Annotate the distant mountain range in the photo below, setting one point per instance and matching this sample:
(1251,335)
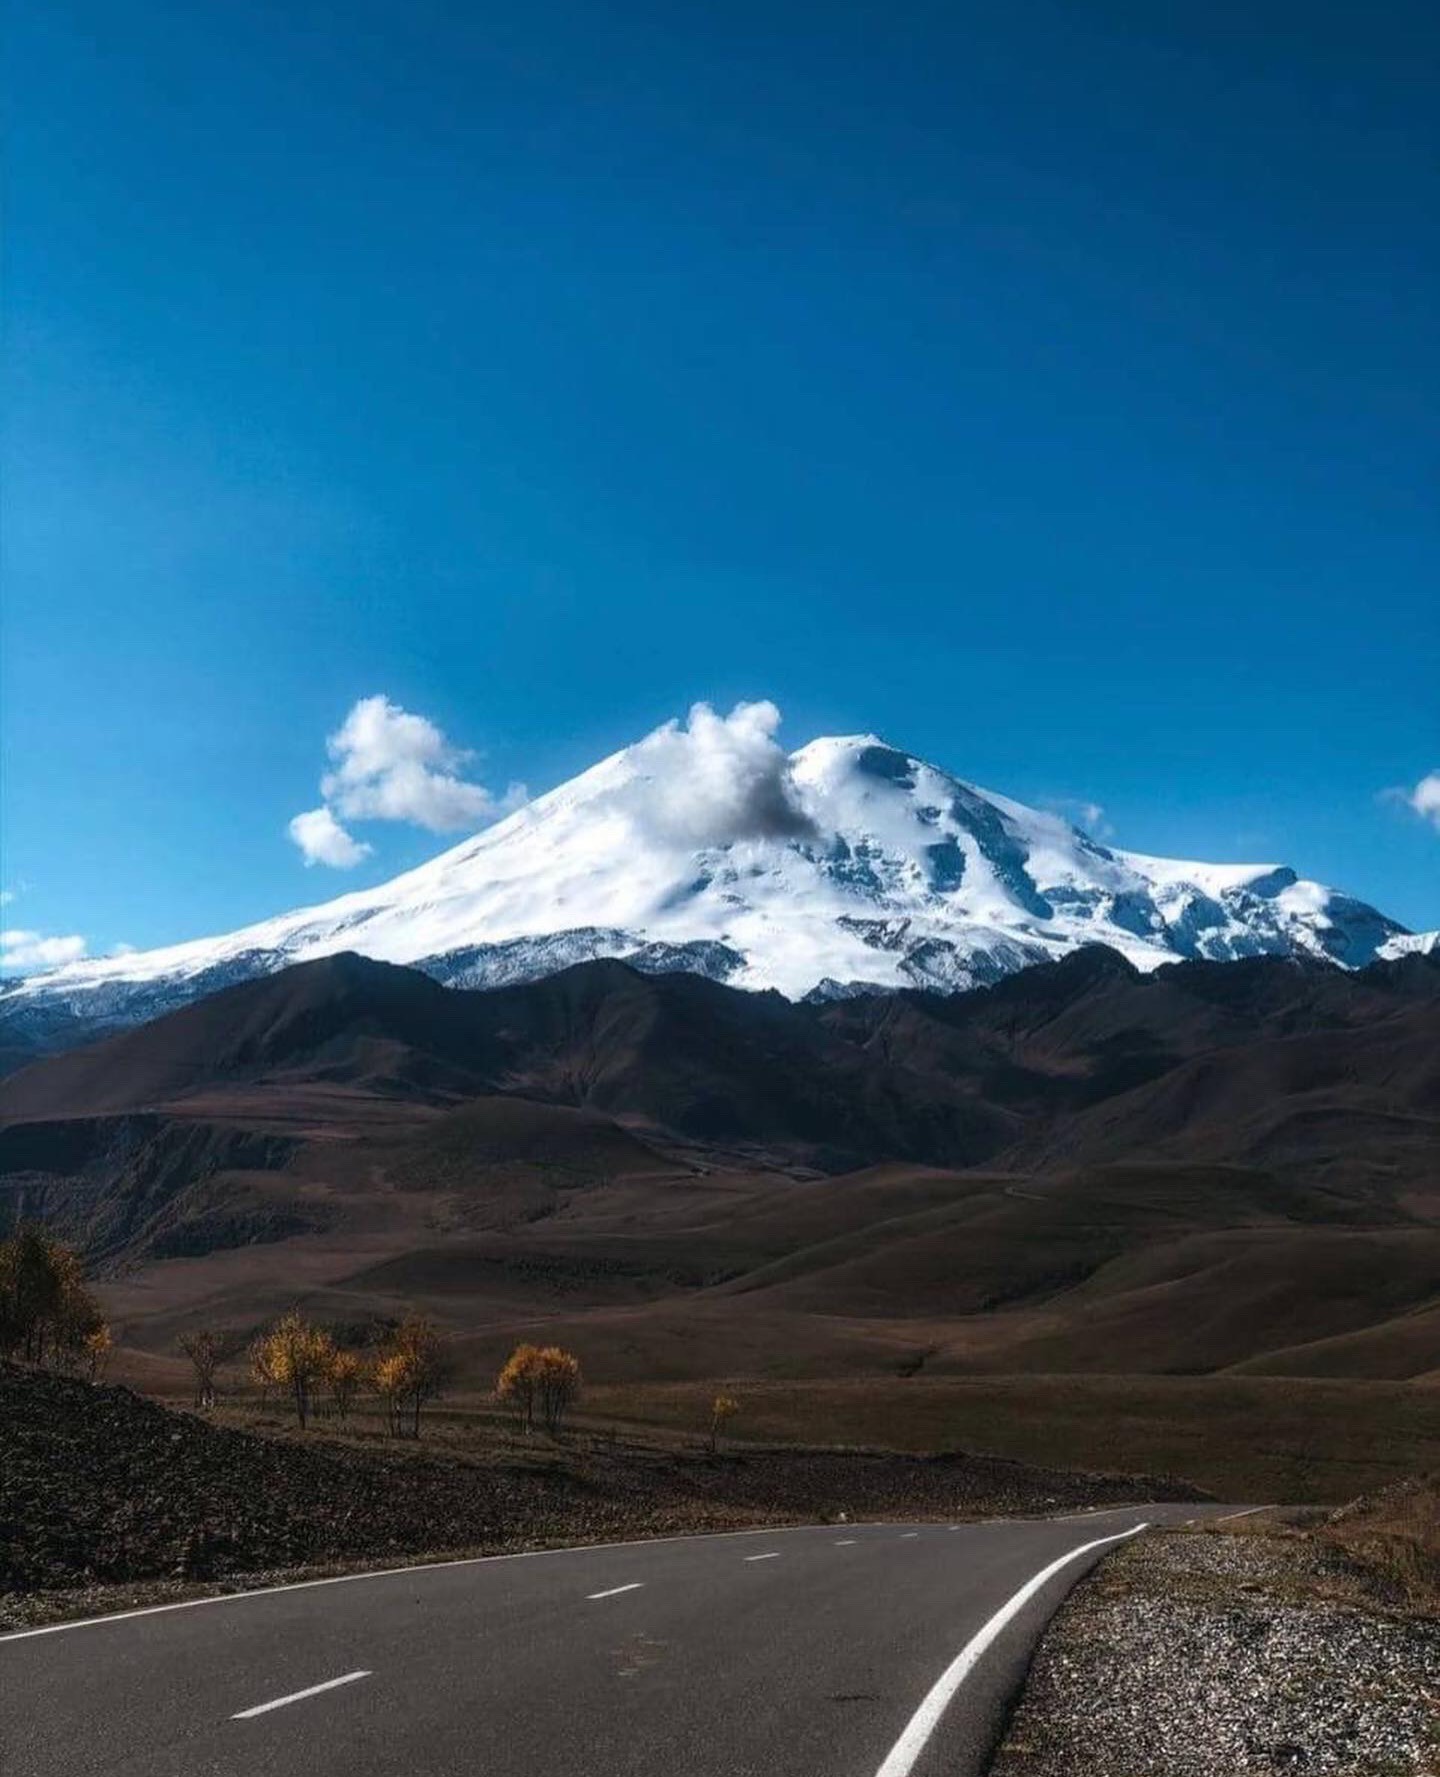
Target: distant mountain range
(845,867)
(1083,1167)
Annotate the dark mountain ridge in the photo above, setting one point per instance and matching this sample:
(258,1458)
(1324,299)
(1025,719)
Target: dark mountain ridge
(952,1080)
(1081,1166)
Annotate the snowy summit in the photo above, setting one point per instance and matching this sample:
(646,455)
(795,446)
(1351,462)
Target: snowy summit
(847,864)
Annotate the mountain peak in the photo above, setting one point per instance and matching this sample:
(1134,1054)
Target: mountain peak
(848,864)
(840,747)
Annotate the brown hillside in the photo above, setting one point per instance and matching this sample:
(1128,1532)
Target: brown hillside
(1079,1170)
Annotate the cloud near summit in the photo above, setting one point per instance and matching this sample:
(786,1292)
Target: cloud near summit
(388,764)
(717,780)
(35,952)
(1425,798)
(1422,799)
(323,840)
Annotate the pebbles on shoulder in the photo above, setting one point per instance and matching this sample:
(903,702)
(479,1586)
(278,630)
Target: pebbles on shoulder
(1226,1655)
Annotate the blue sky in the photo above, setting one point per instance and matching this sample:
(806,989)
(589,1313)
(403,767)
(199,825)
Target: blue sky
(1050,388)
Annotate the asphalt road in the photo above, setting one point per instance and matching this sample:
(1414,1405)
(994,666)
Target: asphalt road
(874,1650)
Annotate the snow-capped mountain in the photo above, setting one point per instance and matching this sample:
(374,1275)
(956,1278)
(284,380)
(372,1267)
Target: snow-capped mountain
(1410,944)
(848,863)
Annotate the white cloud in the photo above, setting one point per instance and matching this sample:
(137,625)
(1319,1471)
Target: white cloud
(34,952)
(392,765)
(323,840)
(718,780)
(1090,817)
(1425,798)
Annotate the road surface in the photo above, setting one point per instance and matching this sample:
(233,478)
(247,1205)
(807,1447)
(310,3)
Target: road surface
(868,1650)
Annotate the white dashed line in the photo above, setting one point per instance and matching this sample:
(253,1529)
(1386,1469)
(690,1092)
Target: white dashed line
(297,1696)
(905,1535)
(615,1591)
(911,1744)
(1249,1512)
(1071,1517)
(774,1555)
(409,1568)
(846,1542)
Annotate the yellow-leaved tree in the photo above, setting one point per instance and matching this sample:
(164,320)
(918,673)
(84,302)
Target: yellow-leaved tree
(262,1366)
(559,1385)
(411,1369)
(517,1383)
(295,1355)
(344,1376)
(722,1410)
(388,1377)
(543,1379)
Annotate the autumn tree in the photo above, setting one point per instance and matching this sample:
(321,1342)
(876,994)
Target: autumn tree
(343,1378)
(77,1320)
(431,1365)
(206,1349)
(46,1312)
(559,1385)
(541,1378)
(518,1383)
(411,1369)
(98,1345)
(262,1366)
(294,1355)
(388,1379)
(722,1409)
(29,1292)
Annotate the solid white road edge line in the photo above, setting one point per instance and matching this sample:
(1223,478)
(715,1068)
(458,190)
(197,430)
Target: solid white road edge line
(615,1591)
(386,1573)
(774,1555)
(330,1684)
(1249,1512)
(911,1744)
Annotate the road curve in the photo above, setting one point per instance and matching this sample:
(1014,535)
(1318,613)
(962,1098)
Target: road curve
(868,1650)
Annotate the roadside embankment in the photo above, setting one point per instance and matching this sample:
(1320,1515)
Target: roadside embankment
(101,1488)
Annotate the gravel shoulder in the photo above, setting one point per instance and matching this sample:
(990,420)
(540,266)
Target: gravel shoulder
(1215,1653)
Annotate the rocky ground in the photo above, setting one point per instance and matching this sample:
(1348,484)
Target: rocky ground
(1232,1653)
(107,1498)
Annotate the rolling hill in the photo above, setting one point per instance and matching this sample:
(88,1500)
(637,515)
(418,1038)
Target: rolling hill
(1084,1168)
